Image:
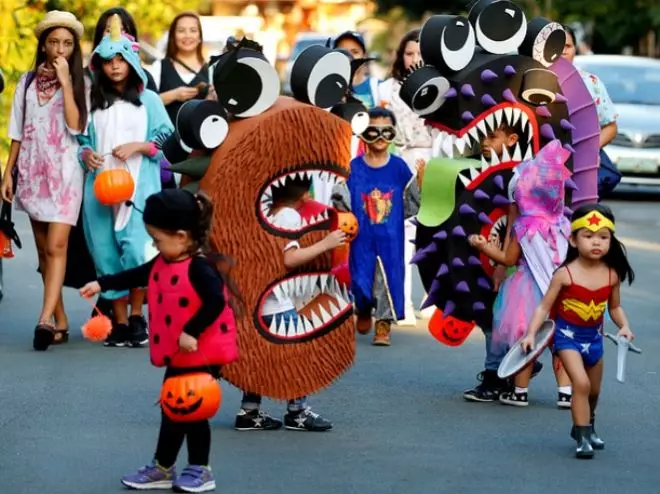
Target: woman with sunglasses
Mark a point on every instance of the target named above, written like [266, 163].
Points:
[382, 192]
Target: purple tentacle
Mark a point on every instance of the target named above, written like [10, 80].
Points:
[583, 116]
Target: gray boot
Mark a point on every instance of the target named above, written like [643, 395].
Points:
[584, 448]
[595, 441]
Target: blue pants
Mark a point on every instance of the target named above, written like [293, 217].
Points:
[585, 340]
[493, 358]
[252, 401]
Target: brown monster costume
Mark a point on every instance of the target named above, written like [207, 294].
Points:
[282, 139]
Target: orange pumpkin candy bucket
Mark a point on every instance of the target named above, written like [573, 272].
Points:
[112, 187]
[191, 397]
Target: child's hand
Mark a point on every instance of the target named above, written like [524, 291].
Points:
[334, 239]
[125, 151]
[527, 343]
[187, 343]
[90, 289]
[93, 160]
[626, 333]
[478, 241]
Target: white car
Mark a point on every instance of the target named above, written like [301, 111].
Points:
[633, 85]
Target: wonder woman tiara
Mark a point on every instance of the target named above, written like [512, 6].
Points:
[593, 221]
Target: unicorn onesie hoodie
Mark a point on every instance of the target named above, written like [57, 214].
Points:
[116, 235]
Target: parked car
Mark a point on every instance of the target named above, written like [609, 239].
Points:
[633, 83]
[303, 41]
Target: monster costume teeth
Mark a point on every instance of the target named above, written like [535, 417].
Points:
[490, 70]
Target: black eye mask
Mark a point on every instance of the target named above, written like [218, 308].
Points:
[375, 132]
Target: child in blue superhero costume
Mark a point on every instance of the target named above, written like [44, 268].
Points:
[125, 120]
[382, 192]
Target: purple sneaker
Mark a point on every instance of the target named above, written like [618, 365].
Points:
[195, 478]
[150, 477]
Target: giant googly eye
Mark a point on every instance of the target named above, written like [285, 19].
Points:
[447, 42]
[500, 25]
[355, 113]
[320, 76]
[544, 41]
[424, 90]
[245, 82]
[539, 86]
[202, 124]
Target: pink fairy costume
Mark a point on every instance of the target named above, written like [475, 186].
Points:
[172, 302]
[542, 231]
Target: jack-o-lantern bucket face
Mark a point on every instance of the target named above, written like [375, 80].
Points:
[191, 397]
[347, 223]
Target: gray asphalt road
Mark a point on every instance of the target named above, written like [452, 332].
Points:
[74, 419]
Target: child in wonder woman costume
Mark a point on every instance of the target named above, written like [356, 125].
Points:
[587, 283]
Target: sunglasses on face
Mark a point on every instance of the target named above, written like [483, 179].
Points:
[375, 132]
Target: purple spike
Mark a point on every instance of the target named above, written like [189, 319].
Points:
[442, 271]
[474, 261]
[431, 248]
[467, 116]
[429, 301]
[560, 98]
[569, 148]
[499, 181]
[507, 94]
[488, 76]
[451, 93]
[412, 241]
[500, 200]
[466, 90]
[435, 288]
[414, 221]
[542, 111]
[463, 287]
[458, 231]
[441, 235]
[449, 308]
[483, 217]
[509, 70]
[466, 209]
[568, 211]
[548, 132]
[419, 256]
[566, 125]
[488, 100]
[484, 283]
[570, 184]
[457, 263]
[478, 306]
[480, 194]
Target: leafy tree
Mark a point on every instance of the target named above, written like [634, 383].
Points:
[17, 42]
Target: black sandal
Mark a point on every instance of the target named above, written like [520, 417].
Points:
[44, 335]
[60, 336]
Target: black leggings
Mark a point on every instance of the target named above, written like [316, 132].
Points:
[197, 434]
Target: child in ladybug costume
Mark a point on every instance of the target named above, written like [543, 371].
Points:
[192, 325]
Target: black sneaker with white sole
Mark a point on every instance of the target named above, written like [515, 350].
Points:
[138, 331]
[514, 399]
[119, 336]
[256, 420]
[563, 401]
[306, 420]
[489, 388]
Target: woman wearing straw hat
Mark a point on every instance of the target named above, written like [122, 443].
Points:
[43, 173]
